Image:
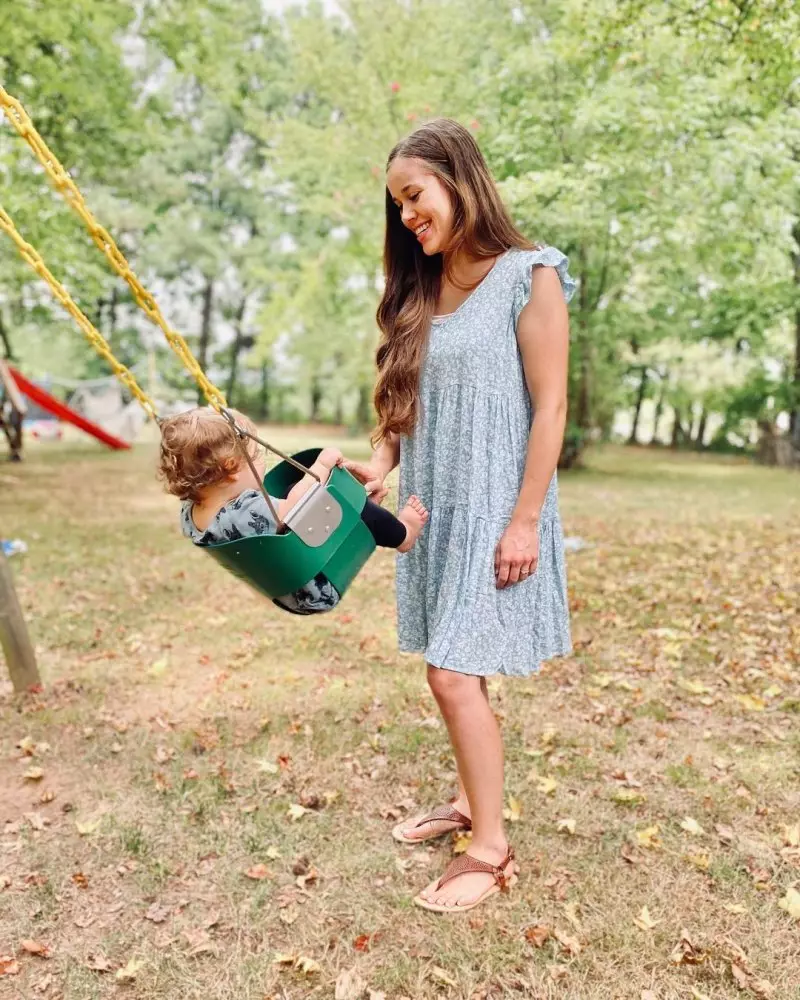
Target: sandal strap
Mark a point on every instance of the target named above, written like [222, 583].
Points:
[466, 863]
[447, 813]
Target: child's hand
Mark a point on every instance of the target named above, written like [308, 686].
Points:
[330, 457]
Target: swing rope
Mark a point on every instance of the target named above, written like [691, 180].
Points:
[69, 191]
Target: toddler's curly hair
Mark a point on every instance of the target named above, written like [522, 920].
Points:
[199, 449]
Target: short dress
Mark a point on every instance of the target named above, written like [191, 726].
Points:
[465, 461]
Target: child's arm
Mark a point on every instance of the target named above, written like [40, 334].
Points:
[328, 458]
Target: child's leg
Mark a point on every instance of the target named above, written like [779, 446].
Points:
[395, 532]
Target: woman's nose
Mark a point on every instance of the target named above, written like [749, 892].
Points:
[407, 214]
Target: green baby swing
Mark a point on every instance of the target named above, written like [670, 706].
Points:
[323, 532]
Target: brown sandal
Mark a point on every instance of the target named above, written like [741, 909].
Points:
[505, 876]
[447, 813]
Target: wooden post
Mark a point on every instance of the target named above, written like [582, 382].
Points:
[14, 634]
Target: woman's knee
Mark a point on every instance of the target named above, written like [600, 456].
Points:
[450, 688]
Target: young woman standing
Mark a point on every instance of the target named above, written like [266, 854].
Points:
[471, 398]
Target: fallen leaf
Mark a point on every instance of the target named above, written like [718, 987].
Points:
[751, 702]
[628, 796]
[462, 842]
[157, 913]
[272, 853]
[284, 958]
[700, 860]
[697, 995]
[33, 774]
[736, 908]
[80, 880]
[648, 995]
[349, 985]
[296, 812]
[566, 826]
[9, 966]
[686, 952]
[35, 948]
[267, 767]
[47, 796]
[259, 872]
[441, 976]
[87, 828]
[364, 941]
[791, 903]
[644, 921]
[307, 965]
[129, 972]
[557, 972]
[692, 826]
[98, 963]
[571, 945]
[547, 786]
[514, 810]
[692, 687]
[537, 934]
[725, 833]
[648, 837]
[791, 835]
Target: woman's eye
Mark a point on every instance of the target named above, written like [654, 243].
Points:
[414, 196]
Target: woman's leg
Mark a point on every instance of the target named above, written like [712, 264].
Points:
[475, 735]
[461, 803]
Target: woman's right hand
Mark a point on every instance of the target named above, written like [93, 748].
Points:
[372, 479]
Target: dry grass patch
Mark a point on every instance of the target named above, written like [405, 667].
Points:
[218, 781]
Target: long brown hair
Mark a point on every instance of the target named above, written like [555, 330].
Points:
[481, 228]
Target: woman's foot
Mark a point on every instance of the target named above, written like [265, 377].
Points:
[414, 516]
[465, 890]
[436, 823]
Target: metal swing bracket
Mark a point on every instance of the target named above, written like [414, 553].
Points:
[315, 516]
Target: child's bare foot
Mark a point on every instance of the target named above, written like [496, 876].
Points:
[414, 516]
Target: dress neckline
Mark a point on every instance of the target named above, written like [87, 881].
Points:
[445, 316]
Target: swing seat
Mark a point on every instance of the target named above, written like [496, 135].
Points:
[277, 565]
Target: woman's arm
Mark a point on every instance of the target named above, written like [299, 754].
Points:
[543, 337]
[384, 459]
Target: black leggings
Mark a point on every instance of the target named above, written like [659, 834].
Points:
[387, 531]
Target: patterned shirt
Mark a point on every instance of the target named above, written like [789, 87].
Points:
[246, 515]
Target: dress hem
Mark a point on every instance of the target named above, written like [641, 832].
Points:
[532, 671]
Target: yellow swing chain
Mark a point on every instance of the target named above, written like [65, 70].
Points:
[67, 188]
[32, 257]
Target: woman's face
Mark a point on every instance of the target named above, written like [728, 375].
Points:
[423, 202]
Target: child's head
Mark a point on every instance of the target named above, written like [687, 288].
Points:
[199, 450]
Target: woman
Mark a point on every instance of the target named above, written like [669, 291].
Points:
[475, 342]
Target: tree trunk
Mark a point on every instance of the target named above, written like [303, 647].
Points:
[794, 420]
[6, 342]
[658, 411]
[633, 439]
[236, 350]
[205, 330]
[263, 399]
[364, 409]
[700, 433]
[14, 637]
[677, 430]
[583, 404]
[316, 399]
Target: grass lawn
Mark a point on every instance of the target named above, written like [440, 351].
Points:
[198, 804]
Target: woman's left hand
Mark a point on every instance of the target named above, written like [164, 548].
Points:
[516, 554]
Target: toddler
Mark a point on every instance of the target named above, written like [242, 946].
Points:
[201, 462]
